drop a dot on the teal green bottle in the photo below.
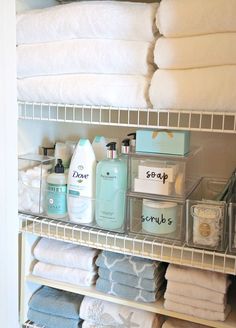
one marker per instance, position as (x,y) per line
(111,186)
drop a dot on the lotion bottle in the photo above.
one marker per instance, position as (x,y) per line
(81,184)
(132,142)
(111,186)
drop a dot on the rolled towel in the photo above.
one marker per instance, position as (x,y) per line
(176,323)
(131,293)
(88,20)
(203,89)
(218,282)
(199,293)
(69,275)
(197,51)
(56,302)
(100,312)
(140,267)
(196,312)
(132,280)
(86,89)
(201,304)
(85,56)
(51,321)
(177,18)
(65,254)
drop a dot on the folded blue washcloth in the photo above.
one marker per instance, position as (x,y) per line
(56,302)
(140,267)
(131,293)
(51,321)
(133,281)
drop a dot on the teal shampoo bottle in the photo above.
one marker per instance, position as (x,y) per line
(111,186)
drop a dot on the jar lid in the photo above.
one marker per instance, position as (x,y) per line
(157,204)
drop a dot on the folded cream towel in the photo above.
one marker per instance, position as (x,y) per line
(203,89)
(88,19)
(201,304)
(197,51)
(218,282)
(85,56)
(196,312)
(65,254)
(86,89)
(191,291)
(69,275)
(99,313)
(176,323)
(177,18)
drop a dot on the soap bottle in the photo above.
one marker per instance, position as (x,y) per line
(81,183)
(99,147)
(56,206)
(111,186)
(132,142)
(125,148)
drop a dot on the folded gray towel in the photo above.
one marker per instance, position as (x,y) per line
(133,281)
(130,293)
(140,267)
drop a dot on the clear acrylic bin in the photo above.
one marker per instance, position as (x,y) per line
(206,217)
(161,218)
(163,175)
(232,227)
(33,170)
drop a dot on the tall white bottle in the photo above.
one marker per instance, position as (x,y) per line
(81,184)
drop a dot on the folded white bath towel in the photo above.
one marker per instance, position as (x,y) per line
(86,89)
(157,323)
(201,304)
(88,19)
(177,18)
(196,312)
(99,313)
(69,275)
(176,323)
(218,282)
(65,254)
(197,51)
(191,291)
(203,89)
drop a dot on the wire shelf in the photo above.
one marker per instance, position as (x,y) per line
(130,117)
(136,245)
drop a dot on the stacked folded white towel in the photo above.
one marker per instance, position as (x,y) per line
(65,262)
(101,314)
(197,292)
(196,56)
(89,53)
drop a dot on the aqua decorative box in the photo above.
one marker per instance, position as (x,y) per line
(163,141)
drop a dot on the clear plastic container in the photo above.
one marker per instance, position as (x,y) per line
(232,227)
(206,216)
(33,170)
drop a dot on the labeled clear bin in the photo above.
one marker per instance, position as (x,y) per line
(206,216)
(163,175)
(33,170)
(163,218)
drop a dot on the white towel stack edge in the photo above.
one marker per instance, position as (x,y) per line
(88,53)
(196,56)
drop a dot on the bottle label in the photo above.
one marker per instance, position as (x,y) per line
(56,199)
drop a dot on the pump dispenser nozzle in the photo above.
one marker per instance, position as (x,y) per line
(111,151)
(132,141)
(45,149)
(59,168)
(125,147)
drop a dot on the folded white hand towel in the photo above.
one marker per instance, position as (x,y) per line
(218,282)
(197,51)
(196,312)
(65,254)
(86,89)
(72,276)
(176,323)
(201,304)
(101,313)
(88,19)
(85,56)
(177,18)
(203,89)
(191,291)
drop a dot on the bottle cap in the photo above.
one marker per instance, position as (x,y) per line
(125,148)
(111,151)
(59,168)
(133,141)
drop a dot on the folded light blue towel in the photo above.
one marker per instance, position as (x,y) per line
(51,321)
(140,267)
(131,293)
(133,281)
(56,302)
